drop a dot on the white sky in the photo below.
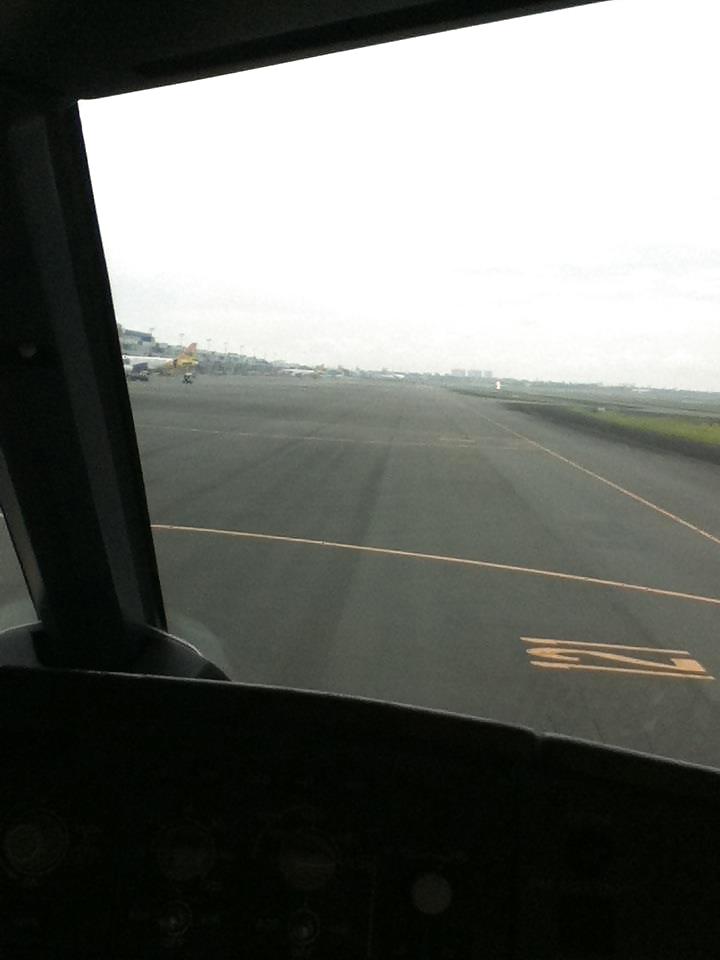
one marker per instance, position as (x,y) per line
(539,197)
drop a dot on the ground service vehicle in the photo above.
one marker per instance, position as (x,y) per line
(148,807)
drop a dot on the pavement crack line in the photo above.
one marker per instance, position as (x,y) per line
(610,483)
(440,558)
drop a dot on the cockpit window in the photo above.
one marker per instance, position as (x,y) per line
(422,346)
(15,604)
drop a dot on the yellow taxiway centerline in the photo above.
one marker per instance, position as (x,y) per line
(439,558)
(442,443)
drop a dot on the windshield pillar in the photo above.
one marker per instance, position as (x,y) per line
(70,479)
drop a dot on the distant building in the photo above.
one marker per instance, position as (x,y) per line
(458,373)
(136,342)
(487,375)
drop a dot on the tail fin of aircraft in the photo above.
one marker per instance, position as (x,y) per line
(187,358)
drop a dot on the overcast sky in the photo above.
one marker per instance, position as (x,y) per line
(539,197)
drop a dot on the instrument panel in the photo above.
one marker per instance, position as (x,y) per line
(216,843)
(160,818)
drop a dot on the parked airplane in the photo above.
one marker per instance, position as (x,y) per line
(135,366)
(299,372)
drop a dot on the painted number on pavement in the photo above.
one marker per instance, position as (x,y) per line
(613,658)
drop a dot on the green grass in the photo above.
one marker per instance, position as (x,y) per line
(673,428)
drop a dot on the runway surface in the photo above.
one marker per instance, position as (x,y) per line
(409,543)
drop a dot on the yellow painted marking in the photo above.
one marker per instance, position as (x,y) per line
(609,646)
(180,429)
(648,673)
(678,664)
(610,483)
(689,665)
(440,558)
(441,442)
(562,655)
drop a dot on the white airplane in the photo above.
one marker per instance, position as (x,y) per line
(299,372)
(138,364)
(135,366)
